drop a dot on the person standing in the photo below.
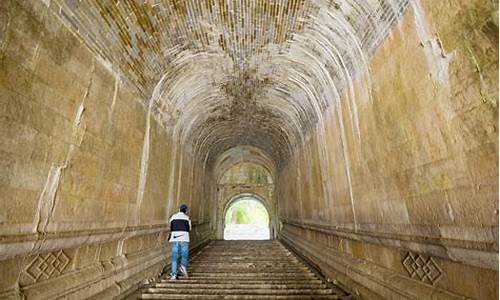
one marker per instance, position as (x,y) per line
(180,225)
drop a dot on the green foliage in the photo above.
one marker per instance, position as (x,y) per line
(241,216)
(247,211)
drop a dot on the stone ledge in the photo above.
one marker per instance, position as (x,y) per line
(10,295)
(367,279)
(89,280)
(132,288)
(12,246)
(478,254)
(100,282)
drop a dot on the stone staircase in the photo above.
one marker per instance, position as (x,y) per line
(244,270)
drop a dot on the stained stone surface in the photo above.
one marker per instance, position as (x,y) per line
(369,129)
(225,73)
(416,169)
(87,180)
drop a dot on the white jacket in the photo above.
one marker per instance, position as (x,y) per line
(180,225)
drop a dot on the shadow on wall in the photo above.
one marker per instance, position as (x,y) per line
(246,219)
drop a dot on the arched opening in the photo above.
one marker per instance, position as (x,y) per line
(246,218)
(239,172)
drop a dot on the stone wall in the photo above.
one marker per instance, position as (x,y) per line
(395,192)
(390,189)
(87,176)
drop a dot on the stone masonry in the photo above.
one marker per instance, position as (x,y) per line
(368,129)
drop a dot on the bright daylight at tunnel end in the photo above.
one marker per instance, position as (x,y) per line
(326,149)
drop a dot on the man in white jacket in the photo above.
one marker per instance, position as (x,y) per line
(180,225)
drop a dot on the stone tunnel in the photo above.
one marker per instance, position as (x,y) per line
(367,128)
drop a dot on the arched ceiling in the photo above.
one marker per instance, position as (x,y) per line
(221,73)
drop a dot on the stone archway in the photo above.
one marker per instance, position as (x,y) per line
(228,202)
(234,201)
(244,171)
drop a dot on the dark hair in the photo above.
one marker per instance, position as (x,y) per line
(183,208)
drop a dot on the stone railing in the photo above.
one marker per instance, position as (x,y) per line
(75,265)
(377,265)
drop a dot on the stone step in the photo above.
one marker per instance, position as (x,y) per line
(237,297)
(245,250)
(245,260)
(246,263)
(211,280)
(246,244)
(239,285)
(177,290)
(243,270)
(240,246)
(253,251)
(249,270)
(258,275)
(223,269)
(238,258)
(263,255)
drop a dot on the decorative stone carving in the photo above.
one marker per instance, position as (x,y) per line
(47,265)
(422,268)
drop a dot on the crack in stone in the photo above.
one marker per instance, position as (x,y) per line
(47,199)
(46,202)
(145,149)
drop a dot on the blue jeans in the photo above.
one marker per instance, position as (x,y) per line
(184,248)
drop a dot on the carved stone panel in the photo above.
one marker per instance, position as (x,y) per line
(47,265)
(422,268)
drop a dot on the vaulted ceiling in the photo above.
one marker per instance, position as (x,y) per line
(221,73)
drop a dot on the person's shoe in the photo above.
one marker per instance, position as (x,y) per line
(173,277)
(183,271)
